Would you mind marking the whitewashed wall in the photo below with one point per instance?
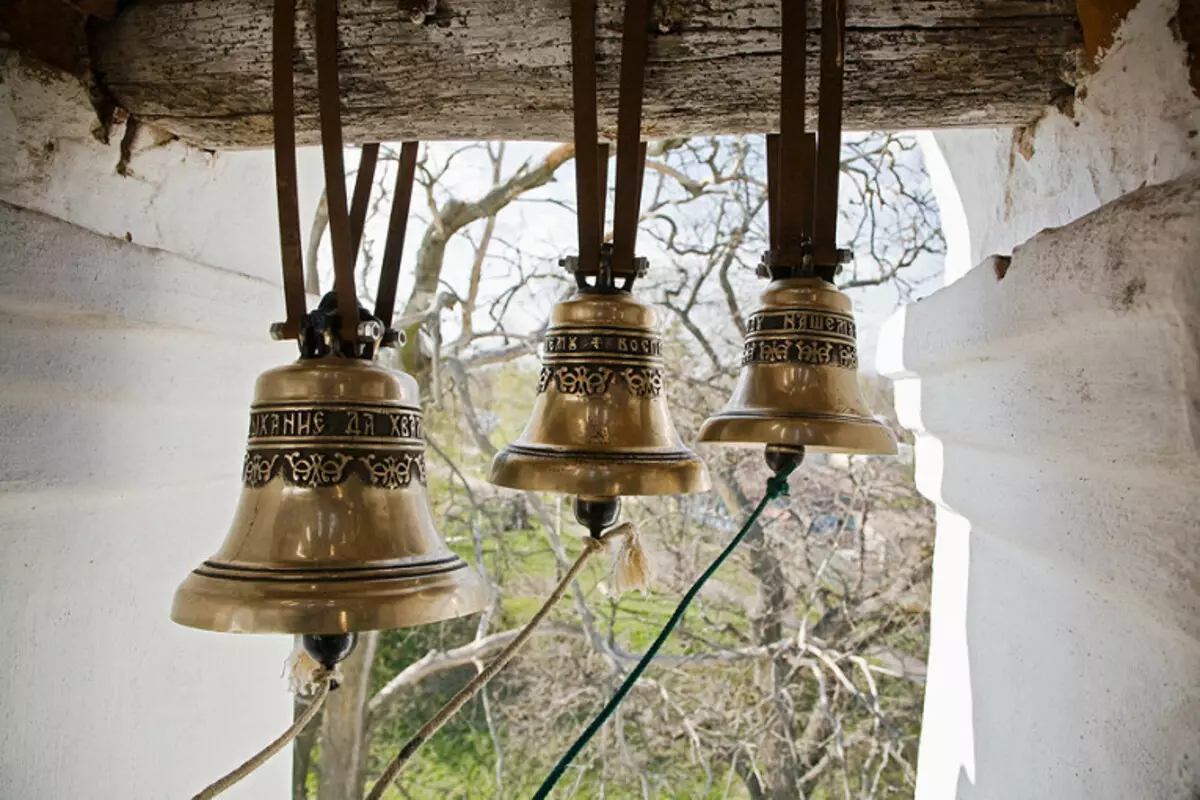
(1057, 414)
(127, 370)
(1135, 121)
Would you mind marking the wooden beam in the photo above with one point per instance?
(477, 69)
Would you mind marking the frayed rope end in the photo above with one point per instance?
(305, 674)
(632, 568)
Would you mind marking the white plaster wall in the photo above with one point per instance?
(1057, 415)
(127, 370)
(1134, 121)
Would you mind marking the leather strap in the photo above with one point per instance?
(630, 167)
(795, 186)
(362, 195)
(829, 126)
(393, 248)
(587, 171)
(773, 190)
(603, 187)
(329, 100)
(283, 100)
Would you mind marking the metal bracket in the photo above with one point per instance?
(320, 333)
(605, 280)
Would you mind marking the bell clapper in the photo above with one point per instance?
(329, 649)
(783, 457)
(597, 513)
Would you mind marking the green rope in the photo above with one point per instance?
(776, 487)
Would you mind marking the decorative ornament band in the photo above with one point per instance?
(800, 350)
(803, 320)
(558, 342)
(317, 469)
(294, 422)
(596, 379)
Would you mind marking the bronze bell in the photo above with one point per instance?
(799, 381)
(600, 426)
(333, 533)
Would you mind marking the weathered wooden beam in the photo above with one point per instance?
(501, 68)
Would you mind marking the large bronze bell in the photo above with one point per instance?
(799, 381)
(600, 426)
(333, 533)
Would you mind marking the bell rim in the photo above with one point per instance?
(327, 604)
(819, 433)
(600, 473)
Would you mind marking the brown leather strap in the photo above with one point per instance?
(829, 126)
(808, 160)
(283, 99)
(630, 168)
(329, 100)
(603, 188)
(773, 189)
(363, 182)
(641, 184)
(587, 170)
(393, 248)
(794, 191)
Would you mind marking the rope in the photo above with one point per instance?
(776, 487)
(325, 680)
(592, 545)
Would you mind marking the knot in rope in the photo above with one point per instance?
(777, 485)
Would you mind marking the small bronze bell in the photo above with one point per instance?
(600, 425)
(333, 533)
(799, 381)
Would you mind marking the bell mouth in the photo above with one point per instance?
(590, 474)
(235, 599)
(819, 433)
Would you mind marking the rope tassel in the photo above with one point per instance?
(632, 568)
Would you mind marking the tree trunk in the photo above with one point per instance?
(343, 751)
(302, 749)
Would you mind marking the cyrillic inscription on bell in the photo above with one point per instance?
(333, 532)
(600, 425)
(799, 380)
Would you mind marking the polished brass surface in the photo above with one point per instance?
(600, 426)
(799, 380)
(333, 532)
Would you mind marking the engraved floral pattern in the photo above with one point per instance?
(815, 352)
(395, 472)
(311, 469)
(596, 379)
(643, 382)
(257, 468)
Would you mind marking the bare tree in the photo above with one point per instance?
(799, 671)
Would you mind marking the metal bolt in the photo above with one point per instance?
(277, 331)
(370, 330)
